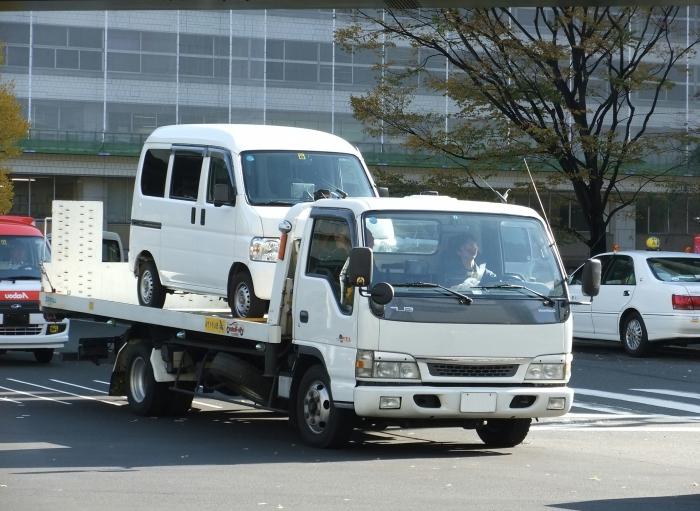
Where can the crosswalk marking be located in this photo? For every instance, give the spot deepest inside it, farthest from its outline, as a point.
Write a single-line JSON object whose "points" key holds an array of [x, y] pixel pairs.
{"points": [[651, 401], [677, 393], [63, 392], [36, 395], [78, 386]]}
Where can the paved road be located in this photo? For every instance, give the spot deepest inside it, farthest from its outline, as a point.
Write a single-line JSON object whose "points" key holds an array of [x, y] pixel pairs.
{"points": [[630, 443]]}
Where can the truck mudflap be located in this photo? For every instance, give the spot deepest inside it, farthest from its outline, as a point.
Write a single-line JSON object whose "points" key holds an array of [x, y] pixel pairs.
{"points": [[421, 402]]}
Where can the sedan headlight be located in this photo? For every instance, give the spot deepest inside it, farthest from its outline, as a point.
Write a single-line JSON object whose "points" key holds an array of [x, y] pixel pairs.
{"points": [[538, 371], [371, 365], [264, 249]]}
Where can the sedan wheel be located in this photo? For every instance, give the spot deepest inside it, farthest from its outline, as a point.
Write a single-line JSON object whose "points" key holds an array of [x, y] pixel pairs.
{"points": [[634, 336]]}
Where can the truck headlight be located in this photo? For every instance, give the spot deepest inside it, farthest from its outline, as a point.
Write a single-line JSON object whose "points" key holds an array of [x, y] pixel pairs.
{"points": [[264, 249], [371, 365], [538, 371]]}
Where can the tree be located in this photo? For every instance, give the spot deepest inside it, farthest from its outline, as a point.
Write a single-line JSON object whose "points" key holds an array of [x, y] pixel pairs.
{"points": [[572, 88], [13, 128]]}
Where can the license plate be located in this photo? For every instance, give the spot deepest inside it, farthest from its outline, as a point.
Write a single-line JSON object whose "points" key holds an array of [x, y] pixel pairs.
{"points": [[478, 402]]}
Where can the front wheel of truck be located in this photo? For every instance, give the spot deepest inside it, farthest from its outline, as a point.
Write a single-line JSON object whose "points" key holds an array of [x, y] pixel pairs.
{"points": [[504, 432], [319, 422], [43, 355]]}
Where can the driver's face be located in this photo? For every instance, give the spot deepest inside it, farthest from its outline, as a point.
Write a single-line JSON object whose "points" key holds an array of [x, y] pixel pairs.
{"points": [[468, 250]]}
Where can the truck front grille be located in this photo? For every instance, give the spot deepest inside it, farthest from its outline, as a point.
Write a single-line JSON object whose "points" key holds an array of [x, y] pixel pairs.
{"points": [[470, 371], [20, 330]]}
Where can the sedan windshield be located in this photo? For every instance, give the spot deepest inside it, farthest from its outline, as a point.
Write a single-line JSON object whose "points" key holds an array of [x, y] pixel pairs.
{"points": [[473, 254], [675, 269], [284, 178]]}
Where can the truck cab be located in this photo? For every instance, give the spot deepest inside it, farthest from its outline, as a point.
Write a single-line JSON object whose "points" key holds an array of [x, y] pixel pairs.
{"points": [[23, 250]]}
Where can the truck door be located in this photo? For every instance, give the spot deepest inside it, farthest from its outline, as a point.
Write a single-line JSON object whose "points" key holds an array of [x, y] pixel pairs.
{"points": [[323, 317]]}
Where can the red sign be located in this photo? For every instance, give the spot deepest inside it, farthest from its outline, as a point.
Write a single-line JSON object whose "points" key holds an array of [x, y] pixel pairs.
{"points": [[696, 243], [19, 296]]}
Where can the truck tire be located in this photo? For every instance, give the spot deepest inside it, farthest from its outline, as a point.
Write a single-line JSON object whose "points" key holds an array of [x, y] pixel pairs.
{"points": [[504, 432], [319, 422], [242, 299], [44, 355], [151, 292], [633, 335], [145, 395], [240, 376]]}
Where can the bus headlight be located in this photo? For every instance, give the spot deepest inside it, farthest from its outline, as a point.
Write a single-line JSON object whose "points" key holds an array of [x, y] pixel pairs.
{"points": [[264, 249]]}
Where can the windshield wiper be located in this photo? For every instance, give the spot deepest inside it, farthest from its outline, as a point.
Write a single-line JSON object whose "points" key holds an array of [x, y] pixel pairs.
{"points": [[519, 287], [463, 299], [21, 277], [276, 203]]}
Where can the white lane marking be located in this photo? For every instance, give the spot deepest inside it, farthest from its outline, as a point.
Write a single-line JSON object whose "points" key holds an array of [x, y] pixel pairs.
{"points": [[206, 404], [64, 392], [605, 409], [677, 393], [35, 395], [27, 446], [100, 381], [10, 400], [79, 386], [621, 429], [661, 403]]}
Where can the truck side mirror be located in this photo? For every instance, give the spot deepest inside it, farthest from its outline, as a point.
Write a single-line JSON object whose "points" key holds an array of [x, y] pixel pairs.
{"points": [[383, 191], [360, 267], [590, 278], [222, 195]]}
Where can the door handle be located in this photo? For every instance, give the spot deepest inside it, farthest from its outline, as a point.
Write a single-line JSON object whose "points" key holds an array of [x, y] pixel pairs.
{"points": [[201, 219], [193, 215], [625, 293], [304, 316]]}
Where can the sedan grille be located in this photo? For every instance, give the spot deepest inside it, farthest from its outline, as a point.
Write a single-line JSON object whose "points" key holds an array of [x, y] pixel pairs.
{"points": [[469, 371]]}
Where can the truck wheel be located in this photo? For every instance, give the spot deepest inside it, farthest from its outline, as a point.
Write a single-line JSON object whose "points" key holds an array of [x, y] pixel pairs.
{"points": [[43, 356], [504, 432], [633, 335], [145, 395], [242, 299], [319, 422], [151, 292]]}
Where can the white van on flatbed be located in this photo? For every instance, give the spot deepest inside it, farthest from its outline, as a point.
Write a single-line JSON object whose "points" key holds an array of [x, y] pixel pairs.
{"points": [[362, 336], [208, 199]]}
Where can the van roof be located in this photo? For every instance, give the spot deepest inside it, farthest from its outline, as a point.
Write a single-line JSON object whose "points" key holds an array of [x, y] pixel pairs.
{"points": [[251, 137]]}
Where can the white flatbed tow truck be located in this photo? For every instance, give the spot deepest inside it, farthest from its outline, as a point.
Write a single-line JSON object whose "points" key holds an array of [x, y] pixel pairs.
{"points": [[374, 334]]}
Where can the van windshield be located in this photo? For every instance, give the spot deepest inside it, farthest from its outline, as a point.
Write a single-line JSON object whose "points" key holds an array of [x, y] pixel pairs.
{"points": [[278, 178], [21, 257]]}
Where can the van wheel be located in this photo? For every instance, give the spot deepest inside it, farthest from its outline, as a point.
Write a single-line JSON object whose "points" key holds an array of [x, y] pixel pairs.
{"points": [[242, 299], [151, 292], [633, 335], [504, 432], [319, 422], [43, 356]]}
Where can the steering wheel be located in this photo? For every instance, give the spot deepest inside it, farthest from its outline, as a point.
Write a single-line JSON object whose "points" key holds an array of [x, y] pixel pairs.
{"points": [[516, 277]]}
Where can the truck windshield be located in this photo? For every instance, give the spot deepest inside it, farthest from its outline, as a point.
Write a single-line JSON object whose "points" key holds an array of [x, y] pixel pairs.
{"points": [[278, 178], [478, 255], [21, 257]]}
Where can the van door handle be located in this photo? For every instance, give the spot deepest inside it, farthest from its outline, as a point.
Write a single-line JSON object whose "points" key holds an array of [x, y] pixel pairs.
{"points": [[625, 293], [193, 215], [304, 316], [201, 219]]}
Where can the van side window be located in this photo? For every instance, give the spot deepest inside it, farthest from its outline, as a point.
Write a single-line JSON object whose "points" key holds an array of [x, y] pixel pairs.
{"points": [[155, 168], [328, 251], [218, 174], [184, 181]]}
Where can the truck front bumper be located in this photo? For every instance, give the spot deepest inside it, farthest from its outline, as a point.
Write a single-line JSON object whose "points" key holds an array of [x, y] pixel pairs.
{"points": [[33, 336], [425, 402]]}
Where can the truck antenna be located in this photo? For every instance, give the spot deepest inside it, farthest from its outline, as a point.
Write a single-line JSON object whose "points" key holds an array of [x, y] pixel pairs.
{"points": [[503, 197], [537, 194]]}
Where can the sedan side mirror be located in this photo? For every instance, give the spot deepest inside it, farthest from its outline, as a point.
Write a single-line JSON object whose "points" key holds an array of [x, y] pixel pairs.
{"points": [[590, 279]]}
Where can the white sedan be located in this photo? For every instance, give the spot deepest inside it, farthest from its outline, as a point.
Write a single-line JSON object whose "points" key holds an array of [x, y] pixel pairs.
{"points": [[645, 298]]}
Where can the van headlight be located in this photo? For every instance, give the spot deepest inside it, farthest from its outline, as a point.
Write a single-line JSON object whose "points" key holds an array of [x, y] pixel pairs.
{"points": [[264, 249], [390, 366], [538, 371]]}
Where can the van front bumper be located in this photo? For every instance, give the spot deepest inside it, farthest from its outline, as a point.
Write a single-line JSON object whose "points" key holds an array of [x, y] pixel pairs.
{"points": [[425, 402]]}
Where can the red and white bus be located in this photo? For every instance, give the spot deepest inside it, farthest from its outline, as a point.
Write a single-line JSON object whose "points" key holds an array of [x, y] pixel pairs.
{"points": [[22, 325]]}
